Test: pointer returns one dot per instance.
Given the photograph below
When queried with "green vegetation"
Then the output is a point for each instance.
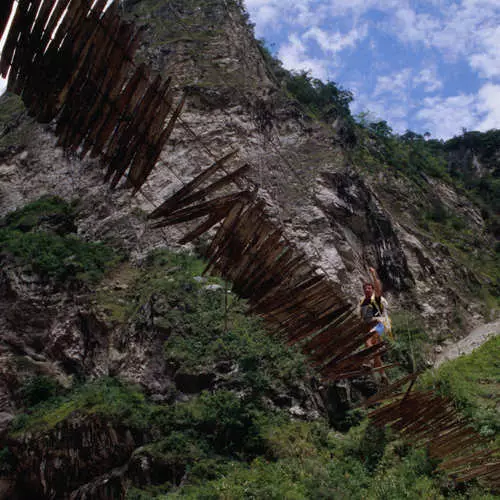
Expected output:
(409, 154)
(14, 125)
(484, 187)
(106, 397)
(39, 238)
(205, 327)
(410, 342)
(473, 382)
(225, 446)
(419, 160)
(37, 389)
(324, 101)
(232, 441)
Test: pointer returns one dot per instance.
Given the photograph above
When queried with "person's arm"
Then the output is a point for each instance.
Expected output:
(376, 282)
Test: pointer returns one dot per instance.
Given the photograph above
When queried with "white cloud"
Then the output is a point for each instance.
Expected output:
(488, 103)
(445, 32)
(447, 116)
(273, 13)
(396, 83)
(360, 7)
(294, 56)
(336, 41)
(427, 78)
(487, 60)
(264, 16)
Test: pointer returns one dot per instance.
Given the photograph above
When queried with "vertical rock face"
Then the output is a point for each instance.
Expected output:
(344, 215)
(345, 221)
(78, 452)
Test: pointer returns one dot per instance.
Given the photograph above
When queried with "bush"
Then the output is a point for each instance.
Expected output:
(38, 389)
(49, 212)
(410, 341)
(473, 383)
(207, 327)
(36, 237)
(107, 397)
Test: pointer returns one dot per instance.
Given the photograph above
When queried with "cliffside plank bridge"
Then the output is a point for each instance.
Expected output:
(72, 63)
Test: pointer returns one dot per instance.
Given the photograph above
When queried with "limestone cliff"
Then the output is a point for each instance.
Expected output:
(346, 212)
(326, 181)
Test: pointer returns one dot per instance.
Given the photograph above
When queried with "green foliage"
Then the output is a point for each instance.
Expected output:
(222, 445)
(324, 101)
(228, 424)
(410, 154)
(38, 389)
(6, 461)
(36, 237)
(205, 327)
(473, 381)
(106, 397)
(418, 159)
(483, 187)
(48, 212)
(410, 341)
(315, 463)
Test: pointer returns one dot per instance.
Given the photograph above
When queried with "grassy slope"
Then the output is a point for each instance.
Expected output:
(473, 382)
(230, 442)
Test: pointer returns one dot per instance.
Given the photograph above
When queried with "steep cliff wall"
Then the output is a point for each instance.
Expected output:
(334, 196)
(346, 213)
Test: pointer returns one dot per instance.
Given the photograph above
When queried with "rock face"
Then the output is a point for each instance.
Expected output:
(344, 215)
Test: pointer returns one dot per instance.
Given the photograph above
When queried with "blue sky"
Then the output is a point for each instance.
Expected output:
(427, 65)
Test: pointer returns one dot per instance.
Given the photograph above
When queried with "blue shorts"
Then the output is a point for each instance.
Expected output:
(379, 328)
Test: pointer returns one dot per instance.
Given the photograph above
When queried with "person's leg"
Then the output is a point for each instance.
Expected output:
(377, 360)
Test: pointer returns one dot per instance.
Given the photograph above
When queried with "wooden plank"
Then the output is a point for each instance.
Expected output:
(130, 141)
(205, 226)
(154, 117)
(22, 47)
(5, 11)
(33, 72)
(195, 211)
(189, 188)
(29, 73)
(336, 332)
(113, 121)
(100, 68)
(122, 133)
(226, 228)
(15, 32)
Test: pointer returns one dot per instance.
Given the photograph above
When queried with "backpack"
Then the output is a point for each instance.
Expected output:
(383, 315)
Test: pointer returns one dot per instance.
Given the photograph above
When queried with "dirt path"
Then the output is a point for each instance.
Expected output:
(476, 337)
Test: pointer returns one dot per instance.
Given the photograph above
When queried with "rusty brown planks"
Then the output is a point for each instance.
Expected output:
(5, 11)
(74, 62)
(431, 421)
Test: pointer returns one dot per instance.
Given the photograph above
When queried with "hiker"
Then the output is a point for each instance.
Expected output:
(373, 306)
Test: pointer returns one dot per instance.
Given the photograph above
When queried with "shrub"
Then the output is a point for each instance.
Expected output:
(107, 397)
(38, 389)
(207, 327)
(473, 383)
(48, 211)
(410, 341)
(36, 237)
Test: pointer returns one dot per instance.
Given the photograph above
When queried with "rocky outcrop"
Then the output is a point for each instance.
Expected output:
(81, 456)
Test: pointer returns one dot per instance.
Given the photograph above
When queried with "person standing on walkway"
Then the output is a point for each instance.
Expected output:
(372, 307)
